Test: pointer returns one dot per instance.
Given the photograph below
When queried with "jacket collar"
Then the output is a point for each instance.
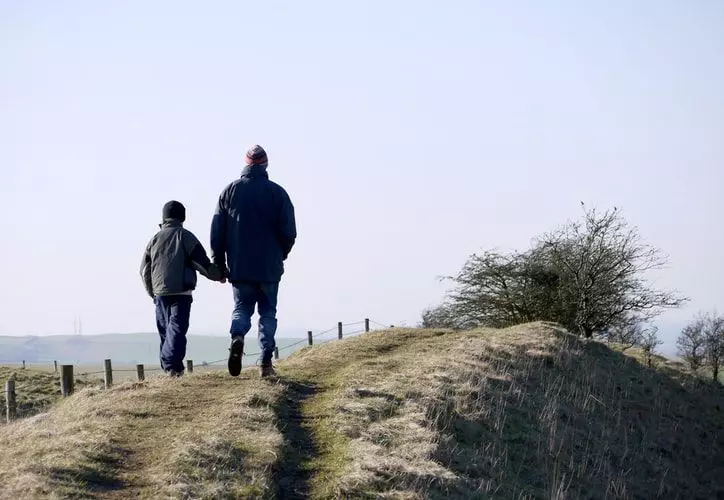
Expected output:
(171, 223)
(253, 171)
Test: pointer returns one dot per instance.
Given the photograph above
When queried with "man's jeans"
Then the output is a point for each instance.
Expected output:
(172, 321)
(246, 297)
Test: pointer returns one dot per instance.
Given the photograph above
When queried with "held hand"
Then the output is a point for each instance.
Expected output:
(217, 273)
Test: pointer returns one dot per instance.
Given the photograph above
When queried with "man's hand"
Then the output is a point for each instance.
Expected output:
(217, 273)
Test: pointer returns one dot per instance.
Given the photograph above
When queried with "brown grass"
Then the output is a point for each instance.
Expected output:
(527, 412)
(205, 436)
(36, 389)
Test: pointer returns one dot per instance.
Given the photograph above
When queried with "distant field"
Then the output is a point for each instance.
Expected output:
(121, 348)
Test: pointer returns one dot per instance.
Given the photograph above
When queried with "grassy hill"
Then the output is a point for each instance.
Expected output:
(526, 412)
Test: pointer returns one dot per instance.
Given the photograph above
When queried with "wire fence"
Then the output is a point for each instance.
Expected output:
(341, 330)
(67, 377)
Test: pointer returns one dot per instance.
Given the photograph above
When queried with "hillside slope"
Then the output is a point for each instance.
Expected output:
(527, 412)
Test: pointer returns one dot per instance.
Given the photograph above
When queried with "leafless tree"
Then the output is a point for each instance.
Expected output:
(589, 276)
(714, 343)
(692, 343)
(604, 262)
(441, 316)
(649, 342)
(628, 332)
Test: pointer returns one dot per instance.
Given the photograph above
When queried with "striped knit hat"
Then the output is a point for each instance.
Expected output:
(256, 156)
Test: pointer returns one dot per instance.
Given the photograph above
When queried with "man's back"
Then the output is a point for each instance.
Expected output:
(253, 229)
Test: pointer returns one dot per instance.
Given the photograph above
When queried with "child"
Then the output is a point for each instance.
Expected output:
(168, 270)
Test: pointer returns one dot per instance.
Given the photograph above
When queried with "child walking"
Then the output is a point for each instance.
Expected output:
(168, 269)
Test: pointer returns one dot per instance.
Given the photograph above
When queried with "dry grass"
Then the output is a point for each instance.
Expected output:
(205, 436)
(527, 412)
(36, 389)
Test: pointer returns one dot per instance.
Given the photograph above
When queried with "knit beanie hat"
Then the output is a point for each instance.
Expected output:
(174, 210)
(256, 156)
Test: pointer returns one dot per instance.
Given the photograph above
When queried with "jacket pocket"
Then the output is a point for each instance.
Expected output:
(190, 279)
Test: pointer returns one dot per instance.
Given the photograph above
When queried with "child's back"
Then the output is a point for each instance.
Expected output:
(171, 251)
(168, 269)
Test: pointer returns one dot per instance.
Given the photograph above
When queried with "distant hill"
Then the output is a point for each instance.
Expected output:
(122, 348)
(525, 412)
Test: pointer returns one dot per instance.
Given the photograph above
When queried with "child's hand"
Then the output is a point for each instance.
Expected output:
(216, 273)
(224, 274)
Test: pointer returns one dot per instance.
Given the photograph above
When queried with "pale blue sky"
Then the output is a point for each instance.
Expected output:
(408, 134)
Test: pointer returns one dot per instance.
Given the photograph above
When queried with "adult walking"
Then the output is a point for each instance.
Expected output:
(252, 233)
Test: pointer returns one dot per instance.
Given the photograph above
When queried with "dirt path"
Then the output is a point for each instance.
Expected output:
(295, 471)
(178, 413)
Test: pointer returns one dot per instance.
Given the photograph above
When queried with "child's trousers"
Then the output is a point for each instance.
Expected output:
(172, 321)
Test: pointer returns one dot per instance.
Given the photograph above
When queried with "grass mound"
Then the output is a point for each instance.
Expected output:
(206, 436)
(526, 412)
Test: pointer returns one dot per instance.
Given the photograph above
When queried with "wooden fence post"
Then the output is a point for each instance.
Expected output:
(10, 403)
(66, 380)
(339, 330)
(139, 372)
(309, 337)
(367, 324)
(276, 353)
(190, 365)
(107, 373)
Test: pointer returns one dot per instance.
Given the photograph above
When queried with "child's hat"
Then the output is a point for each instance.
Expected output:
(174, 210)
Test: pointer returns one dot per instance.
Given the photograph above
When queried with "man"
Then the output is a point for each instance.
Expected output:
(168, 270)
(252, 233)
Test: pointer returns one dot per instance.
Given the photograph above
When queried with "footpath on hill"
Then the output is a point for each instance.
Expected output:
(524, 412)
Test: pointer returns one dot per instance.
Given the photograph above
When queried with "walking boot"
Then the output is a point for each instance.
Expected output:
(267, 370)
(236, 351)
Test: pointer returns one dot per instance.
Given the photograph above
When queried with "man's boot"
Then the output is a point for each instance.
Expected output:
(236, 351)
(267, 370)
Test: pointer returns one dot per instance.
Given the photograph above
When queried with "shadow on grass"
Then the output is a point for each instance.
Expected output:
(97, 475)
(294, 471)
(585, 422)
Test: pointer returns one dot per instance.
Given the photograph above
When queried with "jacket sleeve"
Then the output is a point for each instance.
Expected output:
(287, 225)
(218, 233)
(146, 270)
(198, 258)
